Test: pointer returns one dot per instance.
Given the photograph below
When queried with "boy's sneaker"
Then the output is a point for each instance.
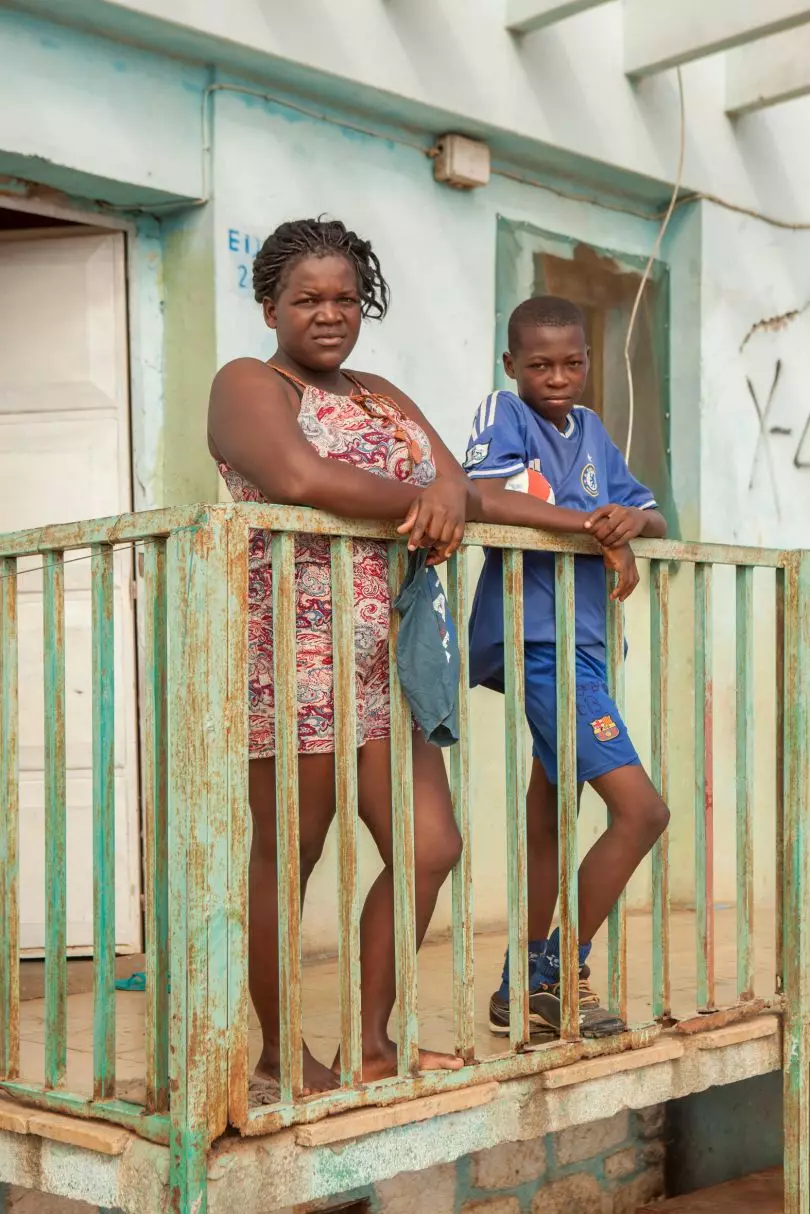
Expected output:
(545, 1012)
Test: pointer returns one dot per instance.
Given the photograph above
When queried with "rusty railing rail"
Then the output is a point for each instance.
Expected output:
(193, 620)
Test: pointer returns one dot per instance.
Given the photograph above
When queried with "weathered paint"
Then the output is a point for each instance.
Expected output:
(704, 787)
(745, 783)
(103, 645)
(239, 819)
(287, 822)
(9, 823)
(796, 1061)
(617, 922)
(53, 618)
(567, 793)
(780, 657)
(213, 666)
(196, 632)
(154, 772)
(193, 556)
(515, 718)
(343, 640)
(463, 920)
(402, 818)
(659, 661)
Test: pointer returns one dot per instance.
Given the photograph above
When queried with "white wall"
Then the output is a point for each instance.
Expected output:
(451, 63)
(438, 249)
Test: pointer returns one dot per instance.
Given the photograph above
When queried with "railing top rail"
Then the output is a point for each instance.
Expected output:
(152, 524)
(117, 529)
(302, 519)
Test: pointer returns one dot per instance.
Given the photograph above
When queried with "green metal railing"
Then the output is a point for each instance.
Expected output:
(192, 608)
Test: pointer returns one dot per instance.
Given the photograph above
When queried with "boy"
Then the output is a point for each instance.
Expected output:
(570, 478)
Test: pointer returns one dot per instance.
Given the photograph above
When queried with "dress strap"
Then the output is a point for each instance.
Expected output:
(293, 380)
(383, 408)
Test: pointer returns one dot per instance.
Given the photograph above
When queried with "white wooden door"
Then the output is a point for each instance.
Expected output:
(64, 456)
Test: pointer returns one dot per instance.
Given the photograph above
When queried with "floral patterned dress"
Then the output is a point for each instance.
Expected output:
(371, 432)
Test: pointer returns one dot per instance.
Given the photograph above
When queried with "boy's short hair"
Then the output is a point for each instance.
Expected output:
(542, 311)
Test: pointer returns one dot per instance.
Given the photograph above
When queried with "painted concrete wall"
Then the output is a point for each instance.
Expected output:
(555, 95)
(438, 248)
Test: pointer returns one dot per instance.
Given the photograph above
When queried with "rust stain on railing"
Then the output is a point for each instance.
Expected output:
(194, 737)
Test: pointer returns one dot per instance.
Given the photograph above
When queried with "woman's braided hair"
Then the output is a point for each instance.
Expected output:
(301, 238)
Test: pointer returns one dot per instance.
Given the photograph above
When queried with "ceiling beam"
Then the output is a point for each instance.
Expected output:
(774, 70)
(523, 16)
(660, 34)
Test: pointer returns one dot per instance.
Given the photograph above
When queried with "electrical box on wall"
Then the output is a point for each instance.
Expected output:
(461, 162)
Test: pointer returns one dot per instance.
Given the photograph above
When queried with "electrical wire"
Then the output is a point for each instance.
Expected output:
(89, 556)
(631, 394)
(430, 153)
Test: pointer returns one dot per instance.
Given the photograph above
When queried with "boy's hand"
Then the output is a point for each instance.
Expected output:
(612, 526)
(622, 561)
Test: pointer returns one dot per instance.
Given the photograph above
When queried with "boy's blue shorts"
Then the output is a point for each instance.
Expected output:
(603, 743)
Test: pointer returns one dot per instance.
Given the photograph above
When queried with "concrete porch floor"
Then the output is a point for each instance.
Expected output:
(435, 998)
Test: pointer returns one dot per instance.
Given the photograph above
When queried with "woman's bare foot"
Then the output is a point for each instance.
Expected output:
(317, 1077)
(382, 1064)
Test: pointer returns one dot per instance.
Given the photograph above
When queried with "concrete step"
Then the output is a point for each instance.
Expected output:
(761, 1193)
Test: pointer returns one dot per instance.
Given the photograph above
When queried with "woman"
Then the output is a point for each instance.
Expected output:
(303, 430)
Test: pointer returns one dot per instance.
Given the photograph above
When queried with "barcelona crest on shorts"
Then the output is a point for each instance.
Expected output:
(605, 729)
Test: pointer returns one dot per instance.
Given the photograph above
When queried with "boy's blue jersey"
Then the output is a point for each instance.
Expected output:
(579, 468)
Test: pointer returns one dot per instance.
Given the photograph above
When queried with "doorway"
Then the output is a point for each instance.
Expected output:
(65, 455)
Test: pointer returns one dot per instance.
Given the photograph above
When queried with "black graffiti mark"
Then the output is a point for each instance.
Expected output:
(798, 462)
(762, 437)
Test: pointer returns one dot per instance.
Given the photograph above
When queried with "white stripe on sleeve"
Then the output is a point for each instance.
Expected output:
(509, 470)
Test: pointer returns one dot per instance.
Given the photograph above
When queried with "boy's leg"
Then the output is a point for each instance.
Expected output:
(608, 761)
(541, 868)
(638, 817)
(542, 852)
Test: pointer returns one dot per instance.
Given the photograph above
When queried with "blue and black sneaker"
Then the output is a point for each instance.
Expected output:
(545, 1007)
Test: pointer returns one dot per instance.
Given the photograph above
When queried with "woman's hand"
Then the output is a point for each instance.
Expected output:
(437, 518)
(622, 561)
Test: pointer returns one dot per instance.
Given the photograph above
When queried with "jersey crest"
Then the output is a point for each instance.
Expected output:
(589, 481)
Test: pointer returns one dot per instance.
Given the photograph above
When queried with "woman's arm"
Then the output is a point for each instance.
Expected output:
(450, 501)
(253, 427)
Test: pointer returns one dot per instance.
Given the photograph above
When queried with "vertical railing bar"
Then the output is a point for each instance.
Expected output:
(745, 782)
(567, 794)
(287, 820)
(103, 679)
(780, 650)
(9, 824)
(704, 787)
(617, 920)
(659, 645)
(215, 840)
(463, 935)
(796, 948)
(345, 700)
(156, 840)
(403, 843)
(55, 781)
(238, 819)
(516, 856)
(189, 724)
